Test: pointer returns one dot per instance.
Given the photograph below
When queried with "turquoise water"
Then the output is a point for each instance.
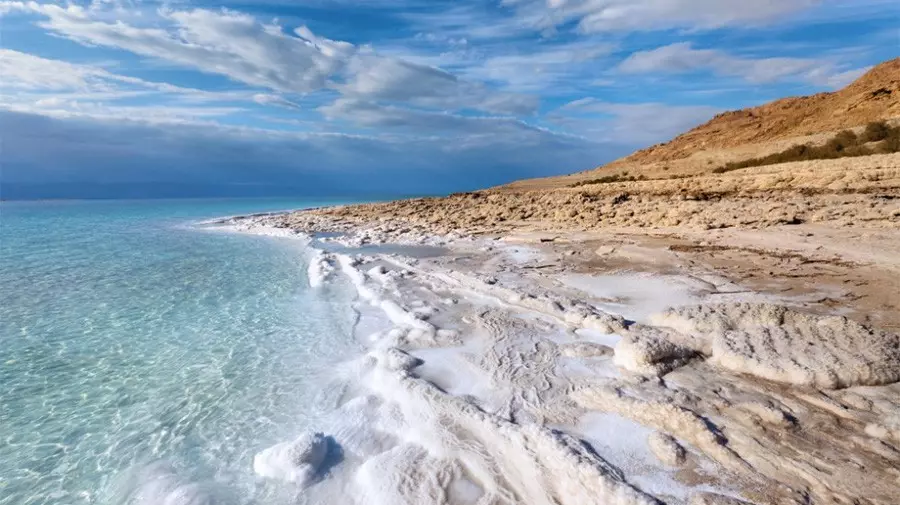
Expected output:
(135, 347)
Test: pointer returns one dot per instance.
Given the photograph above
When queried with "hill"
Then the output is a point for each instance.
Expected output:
(874, 96)
(755, 131)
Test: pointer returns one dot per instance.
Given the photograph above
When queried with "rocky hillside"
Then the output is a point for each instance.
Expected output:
(748, 133)
(708, 178)
(874, 96)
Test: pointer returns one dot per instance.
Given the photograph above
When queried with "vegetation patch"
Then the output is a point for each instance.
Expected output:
(607, 179)
(877, 138)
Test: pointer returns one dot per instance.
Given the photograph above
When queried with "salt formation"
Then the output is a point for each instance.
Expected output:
(650, 351)
(887, 429)
(666, 448)
(776, 343)
(585, 350)
(664, 416)
(395, 359)
(488, 412)
(585, 316)
(297, 461)
(397, 314)
(319, 268)
(451, 444)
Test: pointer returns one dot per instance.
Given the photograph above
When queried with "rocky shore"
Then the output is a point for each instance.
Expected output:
(618, 367)
(702, 322)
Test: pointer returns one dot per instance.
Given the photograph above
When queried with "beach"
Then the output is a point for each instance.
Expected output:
(612, 366)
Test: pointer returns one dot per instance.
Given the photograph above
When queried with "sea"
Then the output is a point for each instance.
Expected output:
(142, 352)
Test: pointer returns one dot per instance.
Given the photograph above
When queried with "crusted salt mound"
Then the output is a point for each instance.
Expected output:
(589, 317)
(319, 269)
(584, 350)
(446, 439)
(652, 352)
(666, 448)
(297, 461)
(779, 344)
(395, 359)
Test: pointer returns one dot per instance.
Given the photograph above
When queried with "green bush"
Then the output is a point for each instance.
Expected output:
(843, 144)
(607, 179)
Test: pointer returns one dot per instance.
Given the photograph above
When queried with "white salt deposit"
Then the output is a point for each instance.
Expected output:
(446, 436)
(254, 228)
(666, 448)
(297, 461)
(319, 269)
(459, 417)
(625, 444)
(776, 343)
(599, 337)
(637, 296)
(646, 350)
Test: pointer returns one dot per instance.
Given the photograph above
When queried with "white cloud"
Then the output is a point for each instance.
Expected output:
(682, 57)
(223, 42)
(380, 78)
(370, 114)
(544, 69)
(276, 100)
(62, 89)
(24, 72)
(595, 16)
(238, 46)
(637, 124)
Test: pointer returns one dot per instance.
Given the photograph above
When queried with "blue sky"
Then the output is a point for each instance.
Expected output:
(392, 96)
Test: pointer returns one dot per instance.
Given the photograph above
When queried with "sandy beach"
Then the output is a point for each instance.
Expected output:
(615, 366)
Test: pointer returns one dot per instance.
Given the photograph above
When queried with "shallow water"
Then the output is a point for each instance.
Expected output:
(138, 353)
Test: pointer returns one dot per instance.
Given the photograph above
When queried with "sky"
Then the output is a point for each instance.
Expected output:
(118, 98)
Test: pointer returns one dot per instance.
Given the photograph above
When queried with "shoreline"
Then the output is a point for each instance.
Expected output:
(510, 354)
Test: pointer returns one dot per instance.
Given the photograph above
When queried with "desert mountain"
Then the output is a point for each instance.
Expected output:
(874, 96)
(755, 131)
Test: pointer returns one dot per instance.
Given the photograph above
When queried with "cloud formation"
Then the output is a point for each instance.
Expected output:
(644, 123)
(87, 153)
(245, 50)
(594, 16)
(683, 57)
(466, 92)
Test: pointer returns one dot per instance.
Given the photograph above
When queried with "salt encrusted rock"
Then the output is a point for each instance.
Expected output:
(767, 414)
(588, 317)
(585, 350)
(297, 461)
(887, 429)
(666, 449)
(651, 352)
(395, 359)
(779, 344)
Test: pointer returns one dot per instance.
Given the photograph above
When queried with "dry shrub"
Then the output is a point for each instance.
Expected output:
(843, 144)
